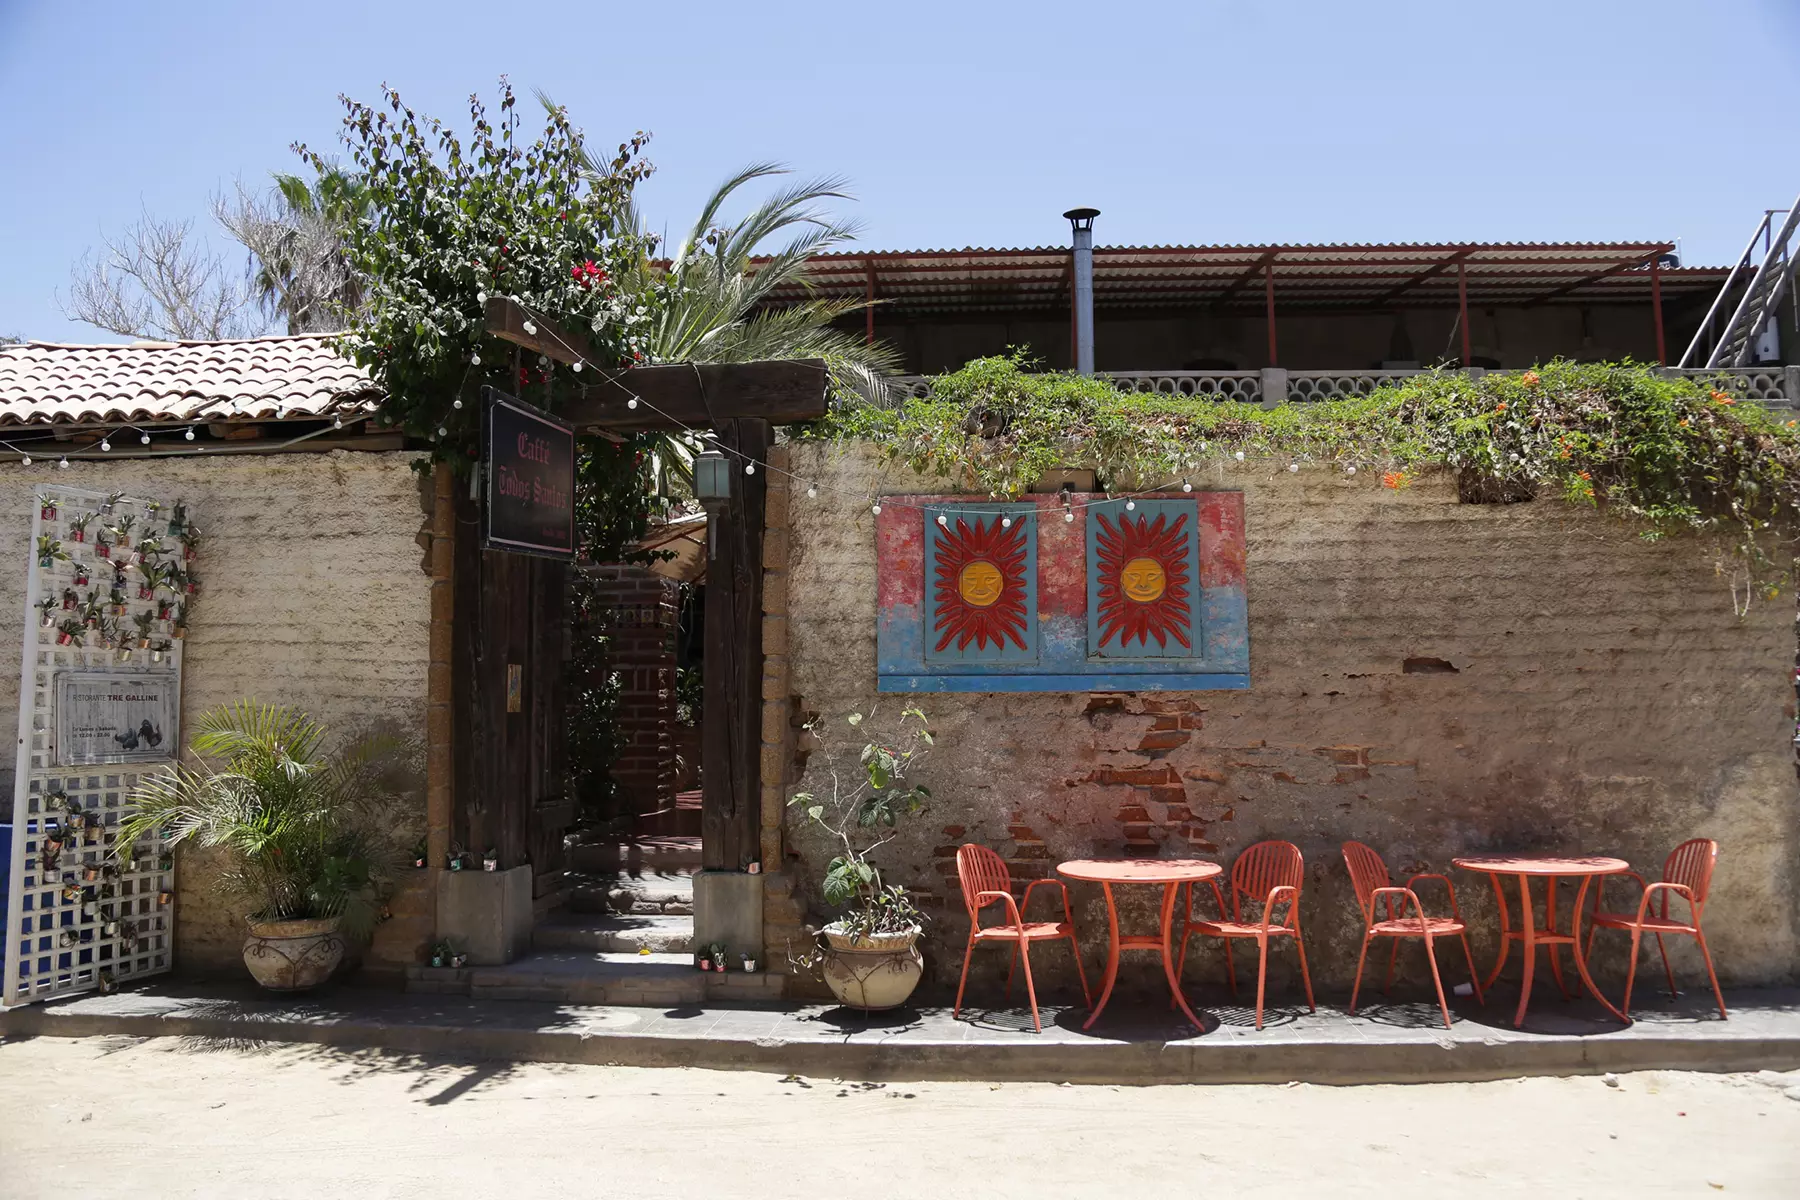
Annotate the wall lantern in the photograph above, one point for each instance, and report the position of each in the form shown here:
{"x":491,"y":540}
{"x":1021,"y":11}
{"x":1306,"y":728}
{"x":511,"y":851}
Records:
{"x":712,"y":477}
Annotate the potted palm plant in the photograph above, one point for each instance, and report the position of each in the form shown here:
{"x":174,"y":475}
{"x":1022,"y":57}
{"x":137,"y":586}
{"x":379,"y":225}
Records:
{"x":869,"y":955}
{"x":305,"y":829}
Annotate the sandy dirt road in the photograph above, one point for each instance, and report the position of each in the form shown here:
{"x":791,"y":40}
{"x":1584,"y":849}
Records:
{"x":176,"y":1118}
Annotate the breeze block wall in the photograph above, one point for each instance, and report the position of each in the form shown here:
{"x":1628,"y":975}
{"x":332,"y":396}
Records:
{"x":315,"y":592}
{"x":1431,"y":677}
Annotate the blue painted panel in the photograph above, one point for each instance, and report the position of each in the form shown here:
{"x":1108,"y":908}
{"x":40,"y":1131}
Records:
{"x":1153,"y":550}
{"x":981,"y":584}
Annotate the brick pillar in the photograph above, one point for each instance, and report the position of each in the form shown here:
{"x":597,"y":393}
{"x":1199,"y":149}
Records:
{"x":638,"y":610}
{"x":784,"y":917}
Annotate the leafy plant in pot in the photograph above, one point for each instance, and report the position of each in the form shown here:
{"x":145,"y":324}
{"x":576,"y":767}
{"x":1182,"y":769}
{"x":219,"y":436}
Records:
{"x":306,"y":831}
{"x":869,"y":955}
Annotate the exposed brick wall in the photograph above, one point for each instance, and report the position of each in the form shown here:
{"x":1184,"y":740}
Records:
{"x":317,"y":595}
{"x":1573,"y":688}
{"x":784,"y":915}
{"x":638,"y":610}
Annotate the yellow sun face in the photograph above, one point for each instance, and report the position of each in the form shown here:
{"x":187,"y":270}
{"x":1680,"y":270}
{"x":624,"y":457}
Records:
{"x":980,"y":583}
{"x":1143,"y":580}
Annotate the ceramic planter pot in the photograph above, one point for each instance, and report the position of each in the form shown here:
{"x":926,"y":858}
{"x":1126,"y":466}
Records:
{"x":872,"y":973}
{"x":291,"y":956}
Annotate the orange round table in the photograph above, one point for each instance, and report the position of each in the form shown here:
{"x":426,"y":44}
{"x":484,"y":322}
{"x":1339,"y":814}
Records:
{"x":1169,"y":874}
{"x":1528,"y":935}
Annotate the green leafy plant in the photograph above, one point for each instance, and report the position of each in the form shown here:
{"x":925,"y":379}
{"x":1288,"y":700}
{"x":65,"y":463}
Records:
{"x":867,"y":799}
{"x":1672,"y":453}
{"x":307,"y":830}
{"x":441,"y":223}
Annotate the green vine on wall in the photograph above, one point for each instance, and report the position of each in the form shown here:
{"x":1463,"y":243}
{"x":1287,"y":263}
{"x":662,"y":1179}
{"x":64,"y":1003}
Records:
{"x":1672,"y":452}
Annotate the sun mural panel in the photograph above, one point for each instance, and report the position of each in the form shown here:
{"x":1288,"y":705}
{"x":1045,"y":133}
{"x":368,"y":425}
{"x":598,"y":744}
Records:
{"x":1062,"y":594}
{"x":981,"y":585}
{"x":1143,"y":580}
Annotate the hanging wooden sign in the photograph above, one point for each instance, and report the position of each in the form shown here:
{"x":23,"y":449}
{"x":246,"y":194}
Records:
{"x":530,"y":479}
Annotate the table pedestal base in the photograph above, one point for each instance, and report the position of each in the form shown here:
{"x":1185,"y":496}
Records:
{"x":1138,"y":941}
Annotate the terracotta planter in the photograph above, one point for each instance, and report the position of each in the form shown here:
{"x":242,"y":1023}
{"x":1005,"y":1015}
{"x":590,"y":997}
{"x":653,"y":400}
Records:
{"x":291,"y":956}
{"x":872,"y":973}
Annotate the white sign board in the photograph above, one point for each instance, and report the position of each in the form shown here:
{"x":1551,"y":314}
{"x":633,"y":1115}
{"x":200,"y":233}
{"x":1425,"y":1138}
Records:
{"x":104,"y":717}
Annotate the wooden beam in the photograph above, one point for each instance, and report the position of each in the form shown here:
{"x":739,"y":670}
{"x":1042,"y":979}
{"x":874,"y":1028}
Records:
{"x":699,"y":396}
{"x":1454,"y":260}
{"x":731,"y":720}
{"x":507,"y":321}
{"x":1632,"y":265}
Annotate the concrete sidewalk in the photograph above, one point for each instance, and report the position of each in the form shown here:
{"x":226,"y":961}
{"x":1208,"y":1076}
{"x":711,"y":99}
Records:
{"x":1386,"y":1042}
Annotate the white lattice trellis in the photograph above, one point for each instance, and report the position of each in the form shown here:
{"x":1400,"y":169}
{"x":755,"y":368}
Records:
{"x":83,"y":912}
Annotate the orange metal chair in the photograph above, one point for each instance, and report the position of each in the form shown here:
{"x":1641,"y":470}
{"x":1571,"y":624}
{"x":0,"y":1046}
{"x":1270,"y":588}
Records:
{"x":986,"y":881}
{"x":1369,"y":875}
{"x":1270,"y":874}
{"x":1686,"y":873}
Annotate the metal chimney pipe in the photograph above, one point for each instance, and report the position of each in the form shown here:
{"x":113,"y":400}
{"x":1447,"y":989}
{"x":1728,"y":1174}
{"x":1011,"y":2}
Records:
{"x":1081,"y":220}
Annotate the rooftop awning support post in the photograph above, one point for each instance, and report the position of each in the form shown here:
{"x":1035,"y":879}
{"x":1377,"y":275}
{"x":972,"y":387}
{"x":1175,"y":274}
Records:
{"x":1081,"y":221}
{"x":1656,"y":313}
{"x":1269,"y":309}
{"x":1462,"y":311}
{"x":868,"y":302}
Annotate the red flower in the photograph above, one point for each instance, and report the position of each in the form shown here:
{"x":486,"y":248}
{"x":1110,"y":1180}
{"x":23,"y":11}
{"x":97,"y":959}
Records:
{"x":1529,"y":378}
{"x":524,"y":376}
{"x":575,"y":271}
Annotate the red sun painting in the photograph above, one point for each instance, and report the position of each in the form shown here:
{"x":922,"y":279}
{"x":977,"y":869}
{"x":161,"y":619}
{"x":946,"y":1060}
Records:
{"x":980,"y":584}
{"x":1142,"y":580}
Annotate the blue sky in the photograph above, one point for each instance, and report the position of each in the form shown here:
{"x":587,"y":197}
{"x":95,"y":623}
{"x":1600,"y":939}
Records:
{"x":959,"y":123}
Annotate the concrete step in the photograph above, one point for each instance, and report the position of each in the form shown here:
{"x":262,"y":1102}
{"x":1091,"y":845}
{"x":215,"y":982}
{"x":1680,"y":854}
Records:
{"x":646,"y":894}
{"x":645,"y":855}
{"x":599,"y":977}
{"x":624,"y":933}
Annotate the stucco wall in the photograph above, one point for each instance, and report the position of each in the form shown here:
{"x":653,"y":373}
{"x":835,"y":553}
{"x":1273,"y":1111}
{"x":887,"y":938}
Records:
{"x":1605,"y":699}
{"x":314,"y":594}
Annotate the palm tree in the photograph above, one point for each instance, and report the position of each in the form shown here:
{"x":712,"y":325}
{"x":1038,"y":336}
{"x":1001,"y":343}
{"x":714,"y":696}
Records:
{"x":297,"y":270}
{"x":722,"y":304}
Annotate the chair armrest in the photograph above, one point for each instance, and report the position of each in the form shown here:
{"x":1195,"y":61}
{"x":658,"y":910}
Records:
{"x":1405,"y":893}
{"x":1448,"y":887}
{"x":1679,"y":889}
{"x":1012,"y":906}
{"x":1276,"y":897}
{"x":1059,"y":885}
{"x":1600,"y":887}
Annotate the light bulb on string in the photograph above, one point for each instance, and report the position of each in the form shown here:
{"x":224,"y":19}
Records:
{"x":1186,"y":486}
{"x":1239,"y":456}
{"x":1293,"y":467}
{"x":64,"y":464}
{"x":1069,"y":516}
{"x":530,"y":328}
{"x":543,"y":360}
{"x":105,"y":444}
{"x":1006,"y":522}
{"x":481,"y":297}
{"x":144,"y":439}
{"x":189,"y":435}
{"x":24,"y":460}
{"x":474,"y":360}
{"x":336,"y":423}
{"x":876,"y":509}
{"x":575,"y":366}
{"x":943,"y":520}
{"x":1130,"y":505}
{"x":749,"y":468}
{"x":1350,"y":470}
{"x":631,"y":403}
{"x":456,"y":403}
{"x":812,"y":491}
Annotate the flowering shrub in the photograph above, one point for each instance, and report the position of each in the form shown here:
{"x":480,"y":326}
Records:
{"x":446,"y":224}
{"x":1671,"y":452}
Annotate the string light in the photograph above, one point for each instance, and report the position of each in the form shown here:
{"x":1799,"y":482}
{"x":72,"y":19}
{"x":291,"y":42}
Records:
{"x":1006,"y":522}
{"x":1130,"y":505}
{"x":189,"y":435}
{"x":337,"y":422}
{"x":1350,"y":470}
{"x":64,"y":464}
{"x":1293,"y":467}
{"x":750,"y":468}
{"x":876,"y":509}
{"x":24,"y":460}
{"x":631,"y":403}
{"x":1186,"y":486}
{"x":575,"y":366}
{"x":943,"y":520}
{"x":144,"y":438}
{"x":530,"y":328}
{"x":105,"y":444}
{"x":1239,"y":456}
{"x":812,"y":491}
{"x":1069,"y":516}
{"x":481,"y":297}
{"x":457,"y":403}
{"x":475,"y":360}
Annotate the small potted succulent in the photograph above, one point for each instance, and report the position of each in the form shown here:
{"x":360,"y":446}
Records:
{"x":50,"y":551}
{"x":720,"y":956}
{"x":749,"y":961}
{"x":143,"y":621}
{"x":78,"y":527}
{"x":179,"y":629}
{"x":442,"y":952}
{"x":491,"y":860}
{"x":178,"y":520}
{"x":418,"y":856}
{"x":47,"y":510}
{"x":190,"y":544}
{"x":704,"y":959}
{"x":107,"y":505}
{"x":69,"y":634}
{"x":47,"y":612}
{"x":102,"y":547}
{"x":81,"y":575}
{"x":160,"y":650}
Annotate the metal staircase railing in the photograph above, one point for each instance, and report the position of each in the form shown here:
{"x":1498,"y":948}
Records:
{"x":1760,"y":300}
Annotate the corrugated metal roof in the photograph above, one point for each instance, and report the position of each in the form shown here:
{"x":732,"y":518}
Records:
{"x":1235,"y":277}
{"x":280,"y":378}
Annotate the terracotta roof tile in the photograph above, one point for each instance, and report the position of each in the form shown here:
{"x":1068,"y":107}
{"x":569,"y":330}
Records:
{"x":277,"y":378}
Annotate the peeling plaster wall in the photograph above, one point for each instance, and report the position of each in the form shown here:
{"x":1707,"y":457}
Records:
{"x":1604,"y":699}
{"x":314,"y":593}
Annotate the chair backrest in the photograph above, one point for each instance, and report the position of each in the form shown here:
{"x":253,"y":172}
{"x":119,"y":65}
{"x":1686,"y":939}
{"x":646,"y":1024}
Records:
{"x":1691,"y":865}
{"x":979,"y":870}
{"x":1367,"y":872}
{"x":1264,"y":867}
